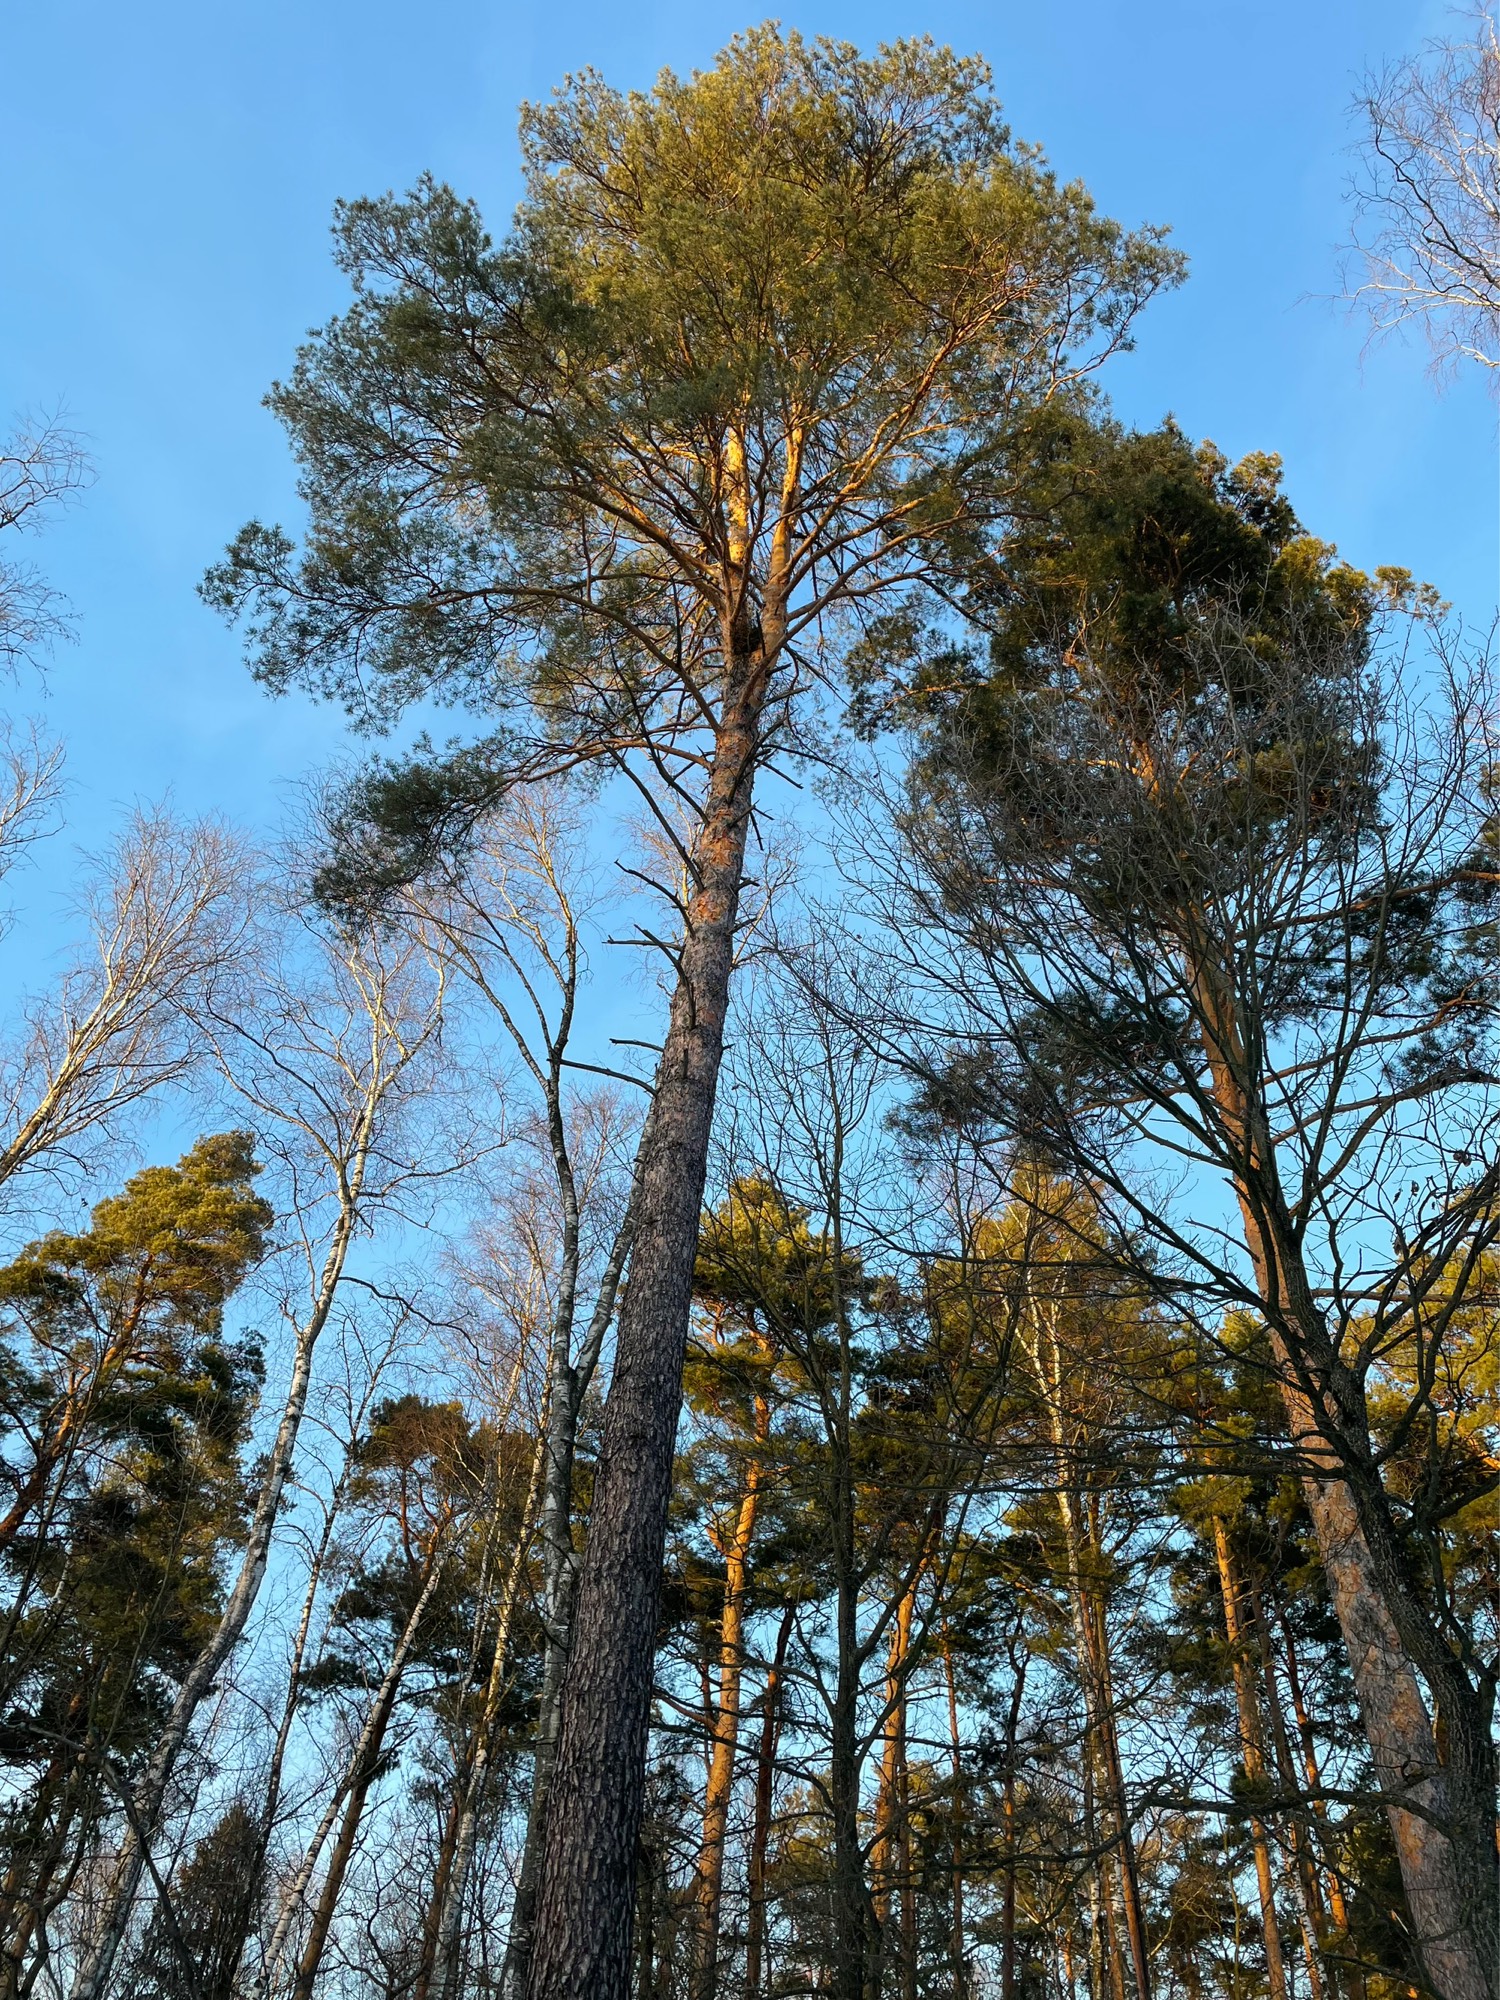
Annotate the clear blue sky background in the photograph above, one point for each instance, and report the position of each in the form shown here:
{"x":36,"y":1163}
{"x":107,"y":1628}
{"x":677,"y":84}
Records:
{"x":170,"y":170}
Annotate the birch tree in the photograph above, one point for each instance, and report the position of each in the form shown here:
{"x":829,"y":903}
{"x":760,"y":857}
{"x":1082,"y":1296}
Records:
{"x":327,"y":1064}
{"x":164,"y":917}
{"x":1427,"y":197}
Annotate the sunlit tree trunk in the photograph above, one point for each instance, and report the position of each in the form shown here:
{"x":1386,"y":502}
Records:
{"x":708,"y":1886}
{"x":890,"y":1859}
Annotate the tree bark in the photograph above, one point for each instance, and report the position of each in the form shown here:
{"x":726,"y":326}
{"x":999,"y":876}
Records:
{"x":856,"y":1926}
{"x":586,"y":1901}
{"x":567,"y":1383}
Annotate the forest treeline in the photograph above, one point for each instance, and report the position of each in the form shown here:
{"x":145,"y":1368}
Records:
{"x":958,"y":1461}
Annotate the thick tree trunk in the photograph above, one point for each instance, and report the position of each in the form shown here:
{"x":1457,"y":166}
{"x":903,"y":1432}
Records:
{"x":582,"y":1940}
{"x":856,"y":1927}
{"x":646,"y":1943}
{"x":1443,"y":1861}
{"x":568,"y":1382}
{"x":760,"y":1824}
{"x":1252,"y":1753}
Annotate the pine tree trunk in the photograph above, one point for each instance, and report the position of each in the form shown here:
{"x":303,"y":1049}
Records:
{"x":709,"y":1882}
{"x":646,"y":1949}
{"x":567,"y":1382}
{"x":856,"y":1927}
{"x":587,"y":1894}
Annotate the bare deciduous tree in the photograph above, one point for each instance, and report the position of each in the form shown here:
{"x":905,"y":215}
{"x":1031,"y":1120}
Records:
{"x":1427,"y":230}
{"x":165,"y":914}
{"x":42,"y":465}
{"x":327,"y":1063}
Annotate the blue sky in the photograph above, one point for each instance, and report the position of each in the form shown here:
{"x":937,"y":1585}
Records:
{"x":170,"y":173}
